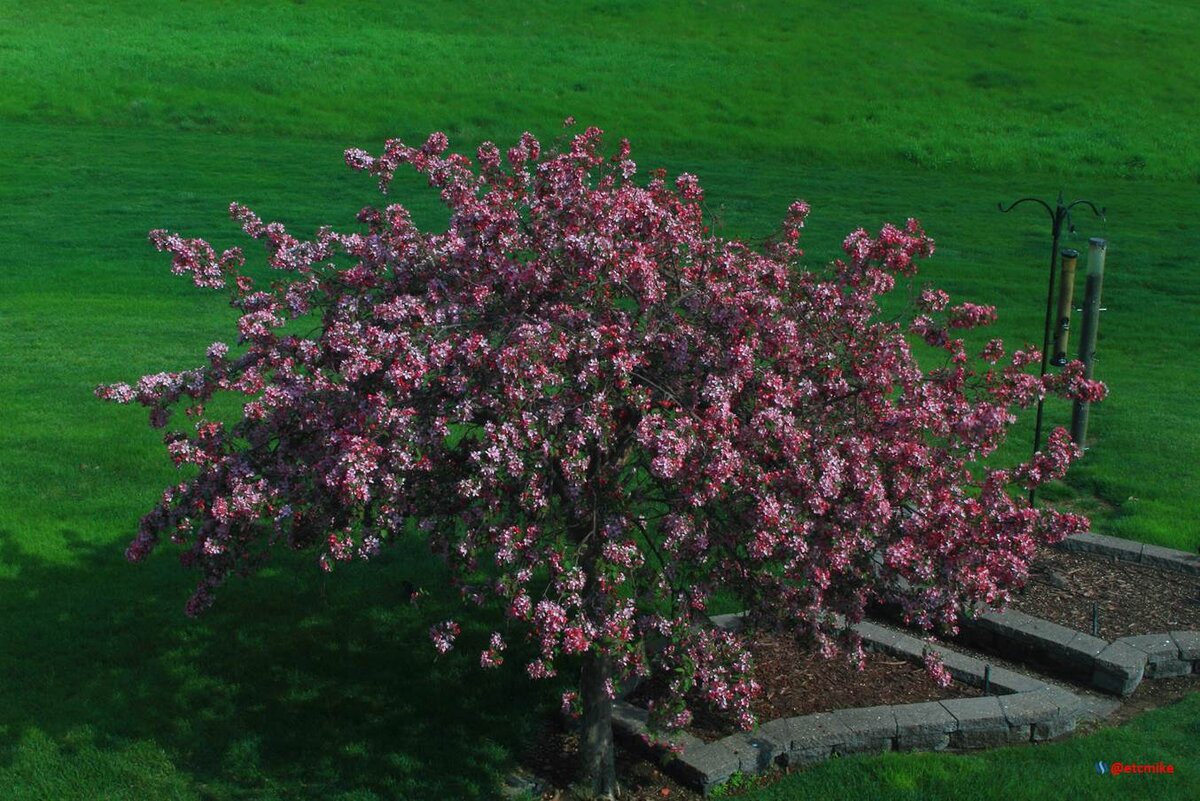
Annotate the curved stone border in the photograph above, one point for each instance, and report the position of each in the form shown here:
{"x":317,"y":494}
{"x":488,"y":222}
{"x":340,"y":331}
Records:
{"x":1130,"y":551}
{"x":1116,"y":667}
{"x":1029,"y":710}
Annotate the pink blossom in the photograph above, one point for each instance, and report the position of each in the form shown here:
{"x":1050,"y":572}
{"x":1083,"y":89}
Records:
{"x":491,"y":657}
{"x":443,"y":635}
{"x":574,"y":640}
{"x":937,"y":669}
{"x":570,"y":703}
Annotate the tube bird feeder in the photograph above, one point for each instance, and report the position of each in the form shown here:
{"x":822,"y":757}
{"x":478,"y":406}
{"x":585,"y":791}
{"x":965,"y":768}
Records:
{"x":1066,"y":293}
{"x":1097,"y":249}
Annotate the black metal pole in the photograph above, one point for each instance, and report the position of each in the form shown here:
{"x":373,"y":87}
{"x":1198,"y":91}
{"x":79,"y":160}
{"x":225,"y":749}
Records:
{"x":1060,"y":213}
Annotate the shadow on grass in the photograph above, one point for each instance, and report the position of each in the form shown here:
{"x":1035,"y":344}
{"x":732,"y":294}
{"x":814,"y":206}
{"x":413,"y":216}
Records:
{"x":295,"y":685}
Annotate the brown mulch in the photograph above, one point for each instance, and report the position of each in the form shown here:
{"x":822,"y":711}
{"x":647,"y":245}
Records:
{"x":1133,"y":598}
{"x":796,"y":680}
{"x":554,"y":760}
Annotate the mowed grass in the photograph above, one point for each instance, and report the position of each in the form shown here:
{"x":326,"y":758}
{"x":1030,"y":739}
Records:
{"x":1077,"y":88}
{"x":127,"y":117}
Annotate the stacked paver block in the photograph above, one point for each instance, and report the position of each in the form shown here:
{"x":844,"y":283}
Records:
{"x":1129,"y":551}
{"x":1045,"y":713}
{"x":811,"y":738}
{"x":870,"y":729}
{"x":1119,"y":669}
{"x":1116,"y":667}
{"x":1188,"y":643}
{"x":1163,"y":659}
{"x":980,"y":723}
{"x":1018,"y":635}
{"x":924,"y":727}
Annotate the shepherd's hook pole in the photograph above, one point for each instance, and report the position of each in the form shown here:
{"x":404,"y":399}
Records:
{"x":1058,"y":215}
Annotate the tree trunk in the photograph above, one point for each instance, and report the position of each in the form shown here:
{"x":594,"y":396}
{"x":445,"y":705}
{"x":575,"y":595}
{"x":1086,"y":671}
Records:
{"x":599,"y":779}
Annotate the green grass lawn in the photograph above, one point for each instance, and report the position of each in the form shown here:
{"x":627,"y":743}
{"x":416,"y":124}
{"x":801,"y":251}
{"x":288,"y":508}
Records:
{"x":122,"y":117}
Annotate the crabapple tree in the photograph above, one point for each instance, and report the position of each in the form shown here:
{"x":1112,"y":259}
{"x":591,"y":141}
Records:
{"x":600,"y":413}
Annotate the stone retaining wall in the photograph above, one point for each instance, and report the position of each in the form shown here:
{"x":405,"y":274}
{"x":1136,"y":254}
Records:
{"x":1116,"y":667}
{"x":1130,"y":551}
{"x":1028,"y":710}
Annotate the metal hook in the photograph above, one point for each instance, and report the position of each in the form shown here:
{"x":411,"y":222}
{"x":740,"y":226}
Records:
{"x":1016,"y":203}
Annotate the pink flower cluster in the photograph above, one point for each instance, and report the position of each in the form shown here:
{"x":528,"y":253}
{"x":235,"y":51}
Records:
{"x":937,"y":669}
{"x":444,"y":634}
{"x":600,"y":413}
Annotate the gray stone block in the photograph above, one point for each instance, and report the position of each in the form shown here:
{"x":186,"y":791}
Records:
{"x":680,"y":742}
{"x":879,"y":637}
{"x":629,"y":718}
{"x":1067,"y":702}
{"x":1168,"y":668}
{"x":1035,"y":631}
{"x":1036,"y":715}
{"x":1084,"y":649}
{"x":1119,"y":668}
{"x":980,"y":722}
{"x":1071,"y":709}
{"x":777,"y":731}
{"x":891,"y":642}
{"x":1188,"y":643}
{"x":706,"y":766}
{"x":756,"y":752}
{"x":1126,"y":550}
{"x":924,"y":726}
{"x":1162,"y":655}
{"x":1002,"y":621}
{"x":803,"y":757}
{"x":1053,"y":728}
{"x":1025,"y":709}
{"x":972,"y":634}
{"x":811,"y":738}
{"x":630,"y":724}
{"x":1063,"y":647}
{"x":734,"y":622}
{"x":816,"y":730}
{"x":1009,"y":681}
{"x":966,"y":669}
{"x":871,"y":729}
{"x":1171,"y":559}
{"x":1155,"y":645}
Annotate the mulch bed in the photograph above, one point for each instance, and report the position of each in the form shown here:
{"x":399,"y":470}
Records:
{"x":1132,"y":598}
{"x":554,"y":760}
{"x":796,"y":680}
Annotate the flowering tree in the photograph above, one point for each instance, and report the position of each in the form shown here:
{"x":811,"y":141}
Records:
{"x":600,"y":413}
